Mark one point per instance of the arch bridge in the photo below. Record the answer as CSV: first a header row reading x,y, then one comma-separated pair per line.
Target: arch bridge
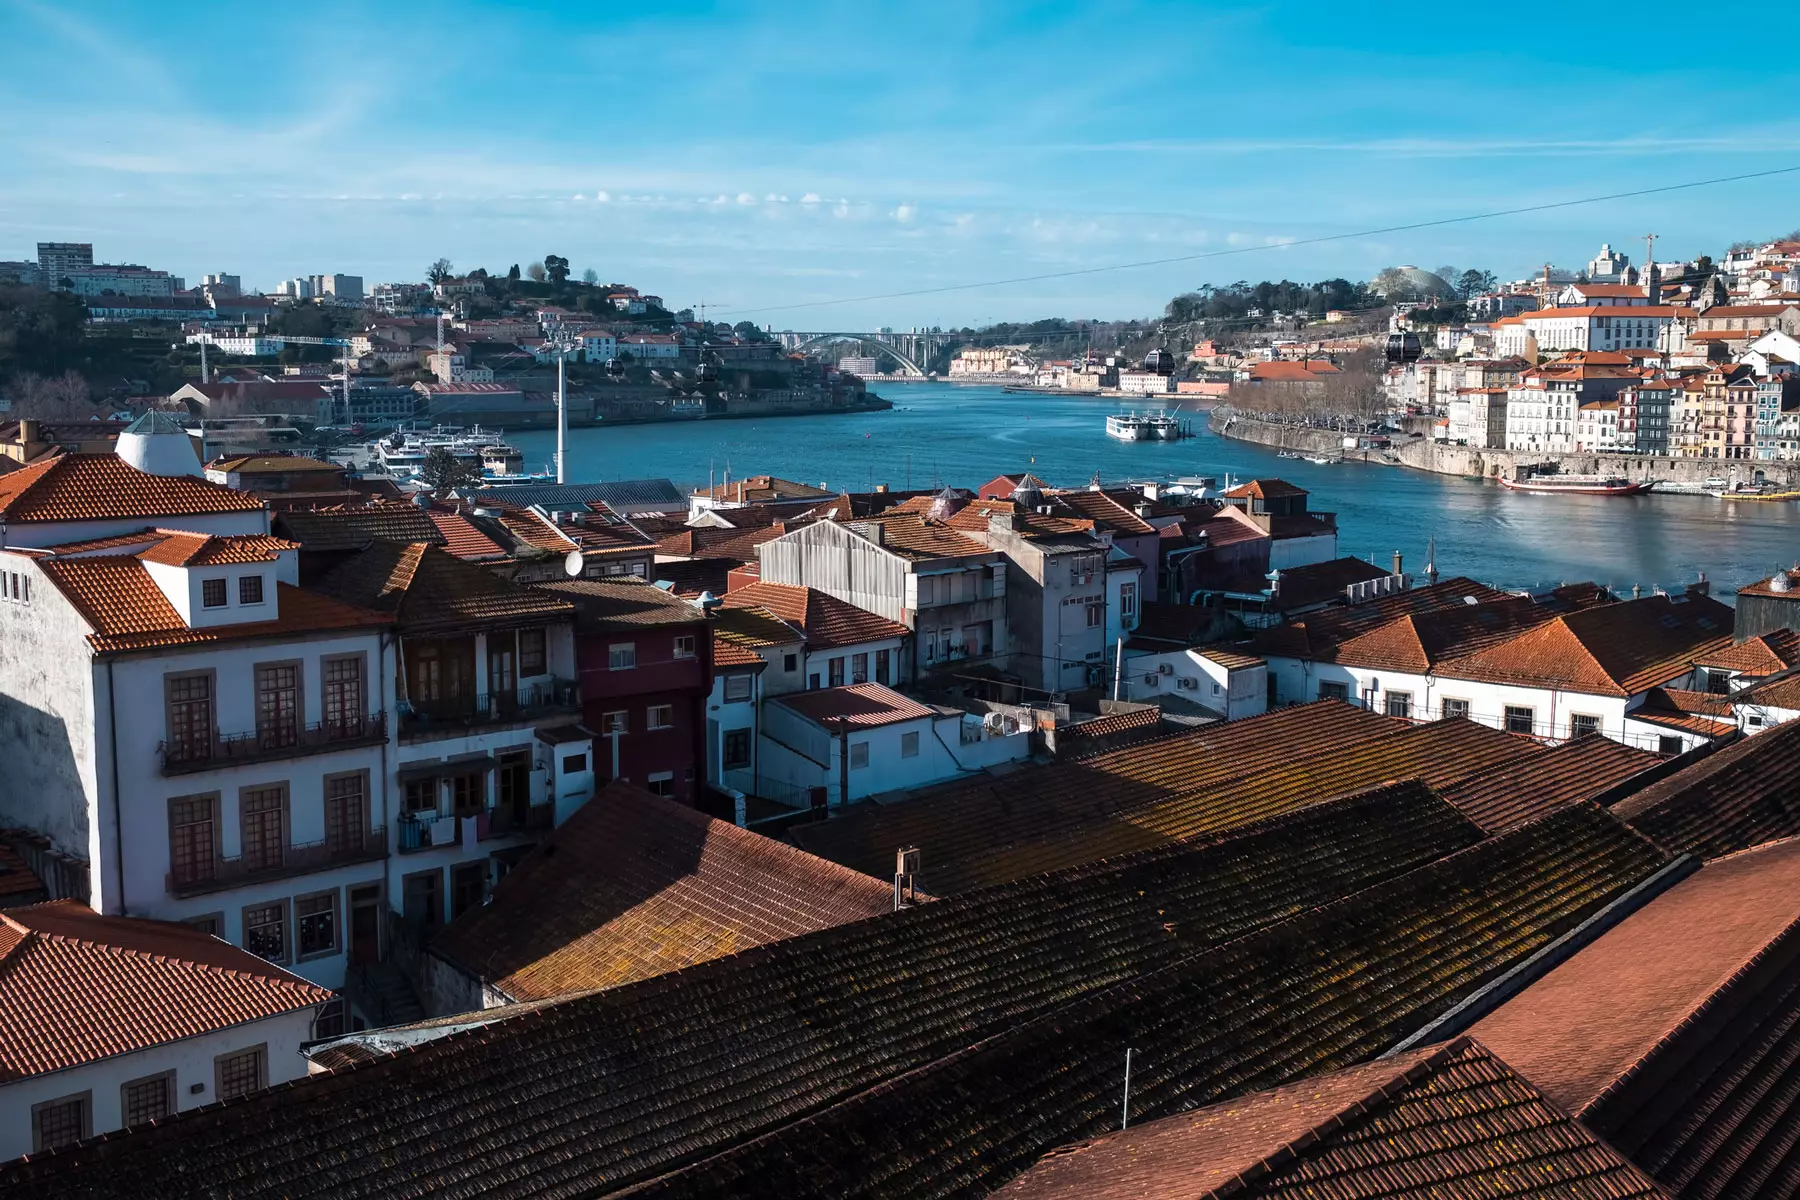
x,y
910,350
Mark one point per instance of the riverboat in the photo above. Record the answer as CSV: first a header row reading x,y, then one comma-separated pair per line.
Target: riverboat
x,y
403,454
1324,460
1150,427
1577,485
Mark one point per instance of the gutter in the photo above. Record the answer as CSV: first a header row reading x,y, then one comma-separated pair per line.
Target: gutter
x,y
1521,975
112,735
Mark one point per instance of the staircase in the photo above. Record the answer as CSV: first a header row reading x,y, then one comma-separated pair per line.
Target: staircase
x,y
383,995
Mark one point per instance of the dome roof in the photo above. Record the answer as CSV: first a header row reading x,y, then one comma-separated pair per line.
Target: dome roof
x,y
156,444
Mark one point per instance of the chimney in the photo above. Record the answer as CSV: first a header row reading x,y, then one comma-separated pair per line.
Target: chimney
x,y
1397,569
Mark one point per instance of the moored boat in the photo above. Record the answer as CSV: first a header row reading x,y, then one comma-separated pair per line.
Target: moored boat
x,y
1578,485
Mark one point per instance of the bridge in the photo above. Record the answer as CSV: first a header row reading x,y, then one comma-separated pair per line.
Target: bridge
x,y
913,351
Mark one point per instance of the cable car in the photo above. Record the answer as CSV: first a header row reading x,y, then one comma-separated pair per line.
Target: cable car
x,y
1404,348
615,368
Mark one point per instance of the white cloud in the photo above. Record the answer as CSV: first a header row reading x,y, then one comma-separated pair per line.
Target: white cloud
x,y
810,198
904,213
579,196
842,209
746,198
601,197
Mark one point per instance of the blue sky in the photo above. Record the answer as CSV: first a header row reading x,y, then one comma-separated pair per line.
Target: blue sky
x,y
759,156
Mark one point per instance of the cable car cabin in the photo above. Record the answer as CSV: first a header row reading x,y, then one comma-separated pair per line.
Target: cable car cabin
x,y
1404,348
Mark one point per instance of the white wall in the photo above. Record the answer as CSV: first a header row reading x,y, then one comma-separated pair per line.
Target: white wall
x,y
1194,677
941,755
191,1059
57,533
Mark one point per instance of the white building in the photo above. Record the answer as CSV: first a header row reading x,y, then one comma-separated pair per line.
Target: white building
x,y
840,644
650,347
1608,266
1594,327
748,646
1228,682
597,345
114,1022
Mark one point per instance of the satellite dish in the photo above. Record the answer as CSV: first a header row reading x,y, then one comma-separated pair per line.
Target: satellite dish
x,y
573,564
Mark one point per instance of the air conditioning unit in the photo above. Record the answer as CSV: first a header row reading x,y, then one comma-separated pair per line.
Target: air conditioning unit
x,y
1150,679
1165,668
1187,684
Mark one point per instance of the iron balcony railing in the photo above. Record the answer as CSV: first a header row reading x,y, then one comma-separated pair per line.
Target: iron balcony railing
x,y
184,756
428,829
504,821
228,872
548,698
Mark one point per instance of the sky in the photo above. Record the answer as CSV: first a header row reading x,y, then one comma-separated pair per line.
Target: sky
x,y
785,163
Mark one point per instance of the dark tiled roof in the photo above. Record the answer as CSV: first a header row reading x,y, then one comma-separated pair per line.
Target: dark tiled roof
x,y
634,885
355,526
1549,779
827,621
1318,635
1741,796
863,705
1320,583
597,1091
1321,991
1452,1120
621,495
426,589
623,602
695,575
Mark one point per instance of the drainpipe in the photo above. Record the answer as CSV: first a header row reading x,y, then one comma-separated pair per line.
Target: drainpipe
x,y
112,734
1118,668
843,761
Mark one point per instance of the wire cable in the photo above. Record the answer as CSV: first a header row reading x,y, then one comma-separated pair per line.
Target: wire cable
x,y
1282,245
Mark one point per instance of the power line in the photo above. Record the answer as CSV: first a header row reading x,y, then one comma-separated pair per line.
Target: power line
x,y
1311,241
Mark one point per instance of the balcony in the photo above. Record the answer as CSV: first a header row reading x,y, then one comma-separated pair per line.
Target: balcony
x,y
224,873
455,714
503,821
428,830
234,749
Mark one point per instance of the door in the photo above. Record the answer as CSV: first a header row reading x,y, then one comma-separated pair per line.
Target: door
x,y
503,672
365,925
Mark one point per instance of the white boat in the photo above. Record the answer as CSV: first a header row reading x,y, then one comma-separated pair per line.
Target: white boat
x,y
1129,427
1324,460
1577,485
403,454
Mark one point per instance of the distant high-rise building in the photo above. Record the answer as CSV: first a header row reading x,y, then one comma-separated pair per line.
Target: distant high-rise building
x,y
343,287
225,285
58,261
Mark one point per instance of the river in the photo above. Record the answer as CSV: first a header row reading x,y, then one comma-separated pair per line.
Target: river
x,y
943,433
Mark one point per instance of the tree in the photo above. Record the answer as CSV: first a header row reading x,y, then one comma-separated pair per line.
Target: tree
x,y
1448,274
1472,283
1703,265
557,268
536,271
513,273
590,277
442,471
62,397
439,271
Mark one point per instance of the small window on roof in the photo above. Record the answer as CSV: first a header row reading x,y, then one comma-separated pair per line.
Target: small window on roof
x,y
250,589
212,593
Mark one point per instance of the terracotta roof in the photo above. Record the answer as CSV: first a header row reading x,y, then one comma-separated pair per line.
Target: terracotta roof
x,y
764,487
1613,650
274,464
462,539
1762,655
352,527
177,548
1105,511
127,611
1318,635
1695,712
695,575
633,885
827,621
1109,731
19,884
98,487
623,602
1762,588
728,653
622,1085
1542,782
1322,582
1291,372
1417,642
1602,1014
1218,531
77,986
862,705
738,545
1740,796
911,536
1451,1120
1229,658
426,589
1264,489
753,627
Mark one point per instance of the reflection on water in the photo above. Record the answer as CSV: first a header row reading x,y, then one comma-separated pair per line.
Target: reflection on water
x,y
966,436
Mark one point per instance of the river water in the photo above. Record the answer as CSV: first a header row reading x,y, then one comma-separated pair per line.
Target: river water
x,y
944,433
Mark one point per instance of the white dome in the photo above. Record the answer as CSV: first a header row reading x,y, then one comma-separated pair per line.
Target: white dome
x,y
156,444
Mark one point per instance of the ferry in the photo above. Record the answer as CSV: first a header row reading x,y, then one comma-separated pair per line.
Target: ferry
x,y
1579,485
1151,427
403,454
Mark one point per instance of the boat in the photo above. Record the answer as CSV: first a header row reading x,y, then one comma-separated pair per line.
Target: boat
x,y
1129,427
403,453
1710,486
1578,485
1324,460
1288,454
1749,495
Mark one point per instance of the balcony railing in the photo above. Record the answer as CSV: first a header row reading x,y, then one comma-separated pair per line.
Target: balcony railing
x,y
427,830
549,698
503,821
184,757
222,873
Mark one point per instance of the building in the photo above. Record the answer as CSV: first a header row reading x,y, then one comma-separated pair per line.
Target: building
x,y
840,643
645,663
122,280
1644,416
752,648
115,1022
1598,327
58,261
1608,266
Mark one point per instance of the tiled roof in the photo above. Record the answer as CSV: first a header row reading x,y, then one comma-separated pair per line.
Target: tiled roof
x,y
462,539
1319,583
19,884
861,705
1317,635
606,1089
623,602
1737,797
1613,650
764,487
1294,999
913,537
535,531
976,516
1416,642
77,986
728,653
127,611
753,627
1103,510
633,885
273,464
695,575
1762,655
1109,731
1264,489
98,487
1172,789
1229,658
621,495
426,589
1452,1120
353,527
1549,779
1695,712
177,548
738,545
827,621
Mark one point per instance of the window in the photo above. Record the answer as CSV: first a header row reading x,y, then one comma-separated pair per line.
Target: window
x,y
212,593
330,1022
316,923
190,716
241,1073
149,1099
574,764
909,745
534,658
659,716
346,812
835,667
1399,704
193,839
342,703
212,924
468,885
16,587
263,826
859,755
738,687
615,722
62,1122
265,931
250,589
1718,683
1669,745
790,663
1128,602
736,754
1454,709
859,668
661,783
1581,724
684,646
468,793
1333,691
1520,719
1096,615
621,656
503,671
884,666
512,783
419,893
277,704
422,794
812,681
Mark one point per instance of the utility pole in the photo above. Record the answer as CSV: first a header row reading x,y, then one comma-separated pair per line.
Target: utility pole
x,y
562,427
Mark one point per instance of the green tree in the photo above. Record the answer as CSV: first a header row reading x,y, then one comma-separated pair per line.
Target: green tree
x,y
536,271
1473,282
513,273
439,271
556,268
442,471
590,277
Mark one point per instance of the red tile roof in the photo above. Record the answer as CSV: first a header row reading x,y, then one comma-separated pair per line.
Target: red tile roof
x,y
77,986
1283,371
96,487
764,487
1449,1121
1554,777
827,621
860,705
1264,489
427,589
633,885
177,548
623,601
913,537
354,526
1740,796
462,539
1764,654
